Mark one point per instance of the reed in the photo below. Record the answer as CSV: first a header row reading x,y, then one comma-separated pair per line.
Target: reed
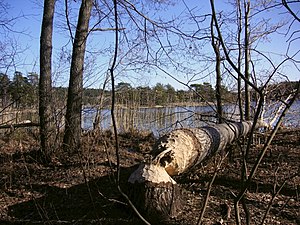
x,y
15,116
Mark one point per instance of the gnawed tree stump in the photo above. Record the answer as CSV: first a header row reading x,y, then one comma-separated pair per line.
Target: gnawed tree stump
x,y
153,190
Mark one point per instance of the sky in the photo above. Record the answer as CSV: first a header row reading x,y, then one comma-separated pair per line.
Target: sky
x,y
28,31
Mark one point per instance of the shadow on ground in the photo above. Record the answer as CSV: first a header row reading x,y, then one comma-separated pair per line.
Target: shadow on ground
x,y
94,202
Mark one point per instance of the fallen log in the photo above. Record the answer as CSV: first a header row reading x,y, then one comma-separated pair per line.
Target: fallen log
x,y
153,190
26,123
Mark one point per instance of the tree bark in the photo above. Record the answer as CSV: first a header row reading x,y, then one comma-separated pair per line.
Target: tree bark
x,y
247,61
216,46
151,185
239,59
72,134
45,82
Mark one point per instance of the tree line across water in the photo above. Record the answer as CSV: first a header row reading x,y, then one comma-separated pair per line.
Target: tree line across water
x,y
22,92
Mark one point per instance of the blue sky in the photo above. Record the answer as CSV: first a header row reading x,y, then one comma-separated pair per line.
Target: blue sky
x,y
27,30
30,24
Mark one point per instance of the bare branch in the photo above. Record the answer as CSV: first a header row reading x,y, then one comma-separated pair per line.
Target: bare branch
x,y
285,4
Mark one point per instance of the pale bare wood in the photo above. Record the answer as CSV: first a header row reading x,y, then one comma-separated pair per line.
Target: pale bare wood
x,y
17,125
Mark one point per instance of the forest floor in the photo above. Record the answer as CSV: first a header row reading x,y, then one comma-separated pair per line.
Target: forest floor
x,y
83,191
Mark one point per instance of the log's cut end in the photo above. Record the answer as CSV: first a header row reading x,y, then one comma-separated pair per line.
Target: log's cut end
x,y
152,173
154,193
177,151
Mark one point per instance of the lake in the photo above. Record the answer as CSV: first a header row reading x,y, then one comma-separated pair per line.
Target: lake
x,y
163,119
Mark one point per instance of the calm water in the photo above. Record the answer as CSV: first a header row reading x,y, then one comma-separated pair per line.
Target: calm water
x,y
163,119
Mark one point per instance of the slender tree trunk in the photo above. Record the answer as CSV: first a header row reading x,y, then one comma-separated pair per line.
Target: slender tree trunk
x,y
72,136
216,46
45,82
247,100
247,61
239,62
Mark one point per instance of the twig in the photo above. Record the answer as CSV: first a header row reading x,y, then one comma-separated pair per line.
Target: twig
x,y
209,190
275,195
112,68
271,202
68,21
285,4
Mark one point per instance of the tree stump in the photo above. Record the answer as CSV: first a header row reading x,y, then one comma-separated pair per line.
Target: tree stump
x,y
154,192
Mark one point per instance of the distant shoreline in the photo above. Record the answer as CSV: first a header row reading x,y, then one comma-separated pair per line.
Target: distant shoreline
x,y
183,104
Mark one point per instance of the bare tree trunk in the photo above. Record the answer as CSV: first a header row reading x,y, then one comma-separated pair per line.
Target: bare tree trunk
x,y
247,98
45,82
239,61
72,136
153,190
216,46
247,61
